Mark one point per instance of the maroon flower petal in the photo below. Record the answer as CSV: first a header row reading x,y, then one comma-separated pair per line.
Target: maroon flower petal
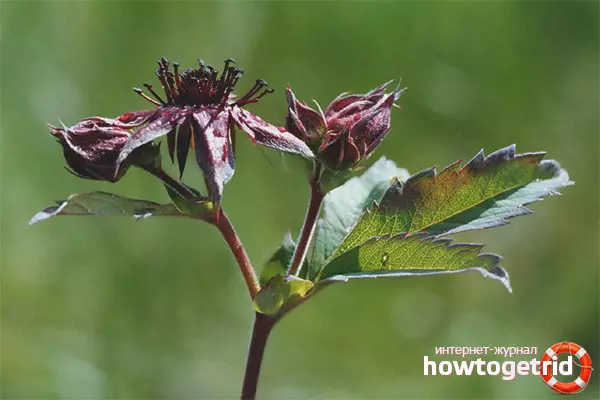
x,y
126,121
169,117
269,135
212,145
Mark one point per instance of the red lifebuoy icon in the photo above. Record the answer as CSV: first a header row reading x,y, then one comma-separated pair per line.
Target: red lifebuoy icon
x,y
584,375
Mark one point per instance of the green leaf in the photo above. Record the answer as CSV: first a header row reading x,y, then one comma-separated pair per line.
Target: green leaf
x,y
281,294
482,194
102,203
201,208
343,206
406,255
279,261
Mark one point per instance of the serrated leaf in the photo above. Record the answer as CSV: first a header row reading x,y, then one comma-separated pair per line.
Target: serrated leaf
x,y
343,206
279,261
482,194
406,255
102,203
281,294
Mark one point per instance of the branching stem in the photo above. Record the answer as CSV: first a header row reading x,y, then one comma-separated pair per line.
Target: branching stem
x,y
222,222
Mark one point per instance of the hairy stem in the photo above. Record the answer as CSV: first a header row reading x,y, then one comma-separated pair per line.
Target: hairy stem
x,y
263,325
226,228
310,220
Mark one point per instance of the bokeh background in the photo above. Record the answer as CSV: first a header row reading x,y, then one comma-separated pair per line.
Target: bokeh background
x,y
114,308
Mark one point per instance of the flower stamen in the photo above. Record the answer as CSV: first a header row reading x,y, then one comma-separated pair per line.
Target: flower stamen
x,y
156,96
253,94
141,93
163,82
177,77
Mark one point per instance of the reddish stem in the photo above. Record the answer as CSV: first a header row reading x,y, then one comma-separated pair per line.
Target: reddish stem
x,y
224,225
263,324
310,221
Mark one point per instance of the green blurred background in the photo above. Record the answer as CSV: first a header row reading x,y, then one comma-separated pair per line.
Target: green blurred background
x,y
113,308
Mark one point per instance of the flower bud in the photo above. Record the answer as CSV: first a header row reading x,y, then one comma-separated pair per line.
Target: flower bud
x,y
356,125
91,149
304,122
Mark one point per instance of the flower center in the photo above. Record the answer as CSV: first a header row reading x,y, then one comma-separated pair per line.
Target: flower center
x,y
201,86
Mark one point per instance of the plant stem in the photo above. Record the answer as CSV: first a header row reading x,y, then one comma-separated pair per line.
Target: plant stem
x,y
263,324
224,224
174,184
310,220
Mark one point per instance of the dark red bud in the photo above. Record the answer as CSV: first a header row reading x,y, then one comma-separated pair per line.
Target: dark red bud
x,y
304,122
356,125
338,151
91,149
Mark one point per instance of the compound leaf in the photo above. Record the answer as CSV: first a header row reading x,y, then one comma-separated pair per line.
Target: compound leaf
x,y
406,255
482,194
343,206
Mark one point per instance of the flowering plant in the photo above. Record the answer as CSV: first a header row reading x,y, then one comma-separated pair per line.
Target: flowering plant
x,y
381,223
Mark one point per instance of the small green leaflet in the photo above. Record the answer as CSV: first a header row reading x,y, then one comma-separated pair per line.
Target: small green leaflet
x,y
406,255
199,207
279,261
343,206
482,194
102,203
281,294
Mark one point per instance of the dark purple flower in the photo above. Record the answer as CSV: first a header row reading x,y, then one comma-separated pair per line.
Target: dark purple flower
x,y
350,128
199,111
91,149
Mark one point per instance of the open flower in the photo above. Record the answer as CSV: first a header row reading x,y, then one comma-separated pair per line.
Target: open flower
x,y
350,128
199,111
91,149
